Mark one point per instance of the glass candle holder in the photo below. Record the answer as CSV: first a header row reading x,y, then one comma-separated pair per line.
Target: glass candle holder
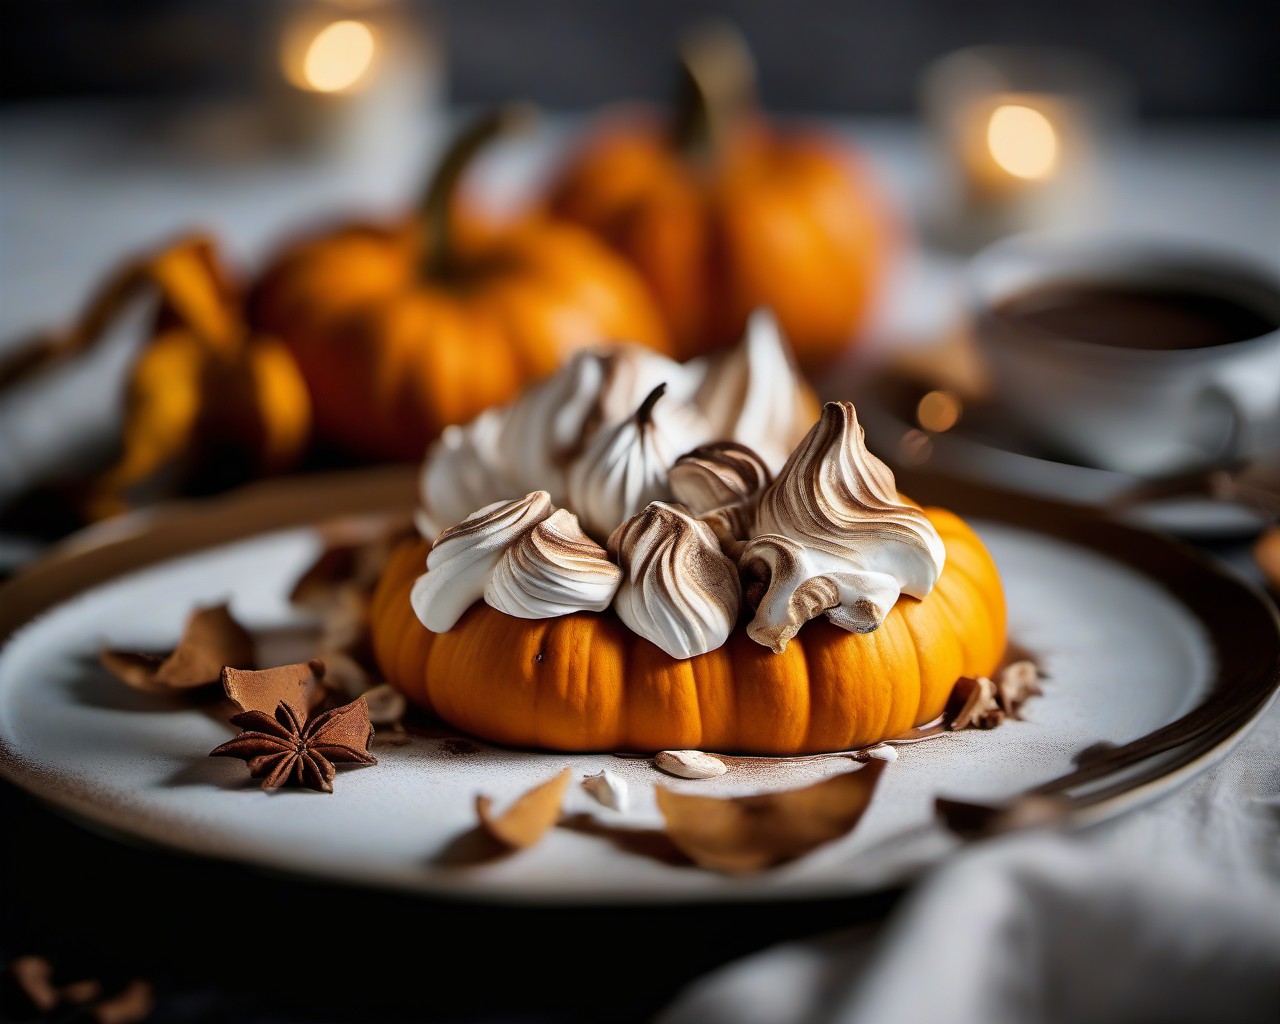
x,y
351,74
1018,133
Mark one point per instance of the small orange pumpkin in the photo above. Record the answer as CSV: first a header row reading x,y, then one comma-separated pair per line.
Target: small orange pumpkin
x,y
586,682
403,330
723,214
207,401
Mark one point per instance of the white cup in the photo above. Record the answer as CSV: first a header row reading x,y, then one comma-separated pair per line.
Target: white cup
x,y
1143,411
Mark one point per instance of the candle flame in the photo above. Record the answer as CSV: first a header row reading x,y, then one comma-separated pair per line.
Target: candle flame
x,y
1022,141
338,56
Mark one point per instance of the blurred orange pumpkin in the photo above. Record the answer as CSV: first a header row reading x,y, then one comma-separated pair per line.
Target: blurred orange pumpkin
x,y
586,682
722,213
207,402
404,329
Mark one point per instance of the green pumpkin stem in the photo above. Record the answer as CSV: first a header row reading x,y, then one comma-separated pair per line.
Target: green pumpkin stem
x,y
436,209
717,86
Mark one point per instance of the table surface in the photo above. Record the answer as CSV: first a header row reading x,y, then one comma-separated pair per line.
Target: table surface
x,y
80,186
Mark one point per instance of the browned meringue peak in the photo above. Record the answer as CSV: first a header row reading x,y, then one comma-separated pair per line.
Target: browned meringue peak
x,y
550,425
554,569
718,474
625,466
528,444
461,473
755,394
679,590
464,557
832,537
720,483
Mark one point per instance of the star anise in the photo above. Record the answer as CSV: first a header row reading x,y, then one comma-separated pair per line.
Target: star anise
x,y
290,749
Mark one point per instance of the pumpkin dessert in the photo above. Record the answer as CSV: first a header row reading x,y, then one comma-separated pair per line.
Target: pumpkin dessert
x,y
639,554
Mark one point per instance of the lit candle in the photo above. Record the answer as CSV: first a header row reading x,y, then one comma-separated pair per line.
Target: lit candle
x,y
333,57
353,73
1017,134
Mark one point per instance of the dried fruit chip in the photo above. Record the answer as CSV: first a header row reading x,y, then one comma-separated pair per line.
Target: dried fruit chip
x,y
211,641
529,818
339,588
751,833
295,685
387,705
1016,684
356,553
973,705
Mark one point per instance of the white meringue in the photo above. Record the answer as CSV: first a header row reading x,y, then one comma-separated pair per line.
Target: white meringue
x,y
461,473
721,483
791,584
624,467
553,569
754,393
464,556
550,425
679,590
832,537
718,474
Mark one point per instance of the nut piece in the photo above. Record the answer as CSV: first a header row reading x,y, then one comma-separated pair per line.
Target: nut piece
x,y
386,704
689,764
1016,684
607,789
882,752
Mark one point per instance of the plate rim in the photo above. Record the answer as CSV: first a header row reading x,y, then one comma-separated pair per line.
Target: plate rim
x,y
1243,687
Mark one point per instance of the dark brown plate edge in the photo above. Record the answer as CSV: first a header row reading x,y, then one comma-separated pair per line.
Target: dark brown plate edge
x,y
1242,623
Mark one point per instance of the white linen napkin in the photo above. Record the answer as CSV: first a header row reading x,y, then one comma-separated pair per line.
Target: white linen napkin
x,y
1170,914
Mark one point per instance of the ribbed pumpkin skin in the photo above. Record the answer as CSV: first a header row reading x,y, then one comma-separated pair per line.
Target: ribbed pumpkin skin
x,y
391,357
585,682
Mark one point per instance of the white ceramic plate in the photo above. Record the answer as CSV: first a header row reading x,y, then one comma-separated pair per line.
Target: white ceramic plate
x,y
1125,659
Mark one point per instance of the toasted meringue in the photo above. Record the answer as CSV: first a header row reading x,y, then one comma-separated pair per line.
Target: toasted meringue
x,y
832,537
551,424
624,467
465,556
718,474
553,569
754,393
679,590
462,472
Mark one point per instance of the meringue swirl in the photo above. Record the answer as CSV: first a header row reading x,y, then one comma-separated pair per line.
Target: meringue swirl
x,y
464,557
833,514
753,393
624,467
714,475
604,437
462,473
678,590
554,569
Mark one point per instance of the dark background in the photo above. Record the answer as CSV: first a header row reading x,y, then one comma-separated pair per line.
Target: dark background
x,y
1183,58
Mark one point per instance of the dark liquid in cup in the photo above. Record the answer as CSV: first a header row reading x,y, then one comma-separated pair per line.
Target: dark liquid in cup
x,y
1134,315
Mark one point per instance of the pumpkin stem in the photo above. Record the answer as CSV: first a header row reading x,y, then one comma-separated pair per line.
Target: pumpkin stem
x,y
436,208
716,87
